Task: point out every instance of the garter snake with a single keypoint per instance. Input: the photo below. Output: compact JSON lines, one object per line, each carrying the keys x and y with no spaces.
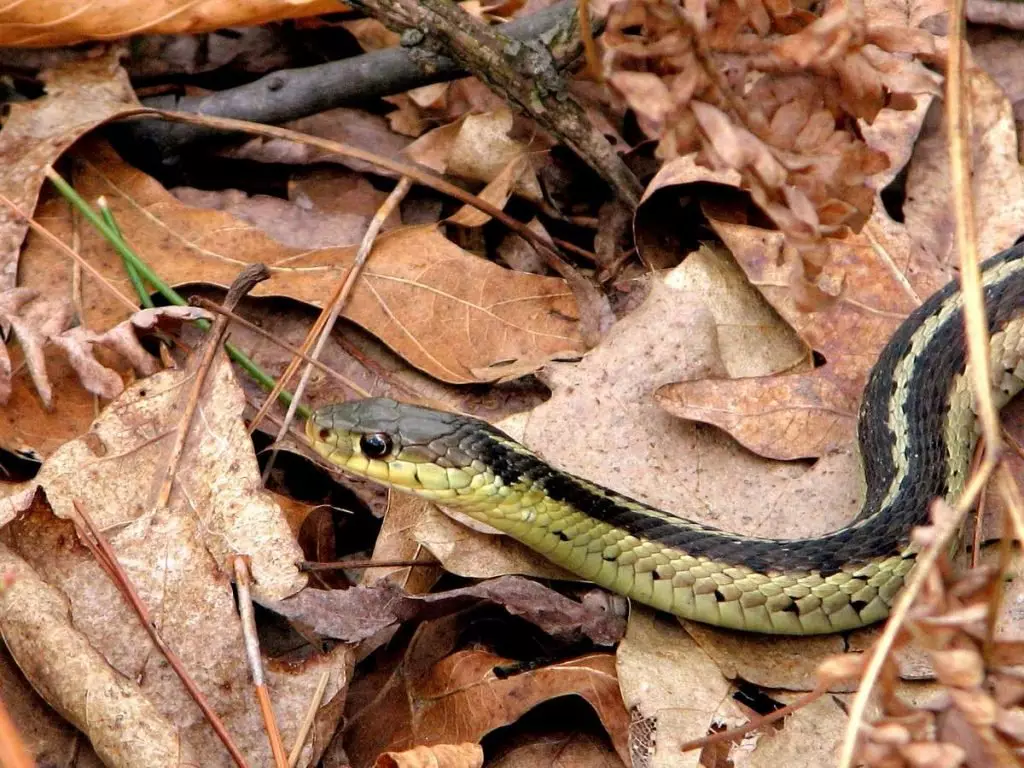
{"x":916,"y":430}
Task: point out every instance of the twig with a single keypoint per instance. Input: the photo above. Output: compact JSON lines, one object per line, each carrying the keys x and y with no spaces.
{"x":946,"y":524}
{"x":293,"y":93}
{"x":975,"y":318}
{"x":252,"y":653}
{"x":520,"y":72}
{"x":242,"y":284}
{"x":104,"y":553}
{"x":757,"y":722}
{"x":205,"y":303}
{"x":307,"y":721}
{"x":417,"y":174}
{"x":975,"y":321}
{"x":587,"y":37}
{"x":306,"y":565}
{"x":61,"y":245}
{"x":332,"y":311}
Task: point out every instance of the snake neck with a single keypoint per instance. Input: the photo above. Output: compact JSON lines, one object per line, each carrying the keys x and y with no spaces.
{"x":916,"y":432}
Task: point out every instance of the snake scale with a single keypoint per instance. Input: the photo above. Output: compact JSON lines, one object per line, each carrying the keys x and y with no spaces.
{"x":916,"y":429}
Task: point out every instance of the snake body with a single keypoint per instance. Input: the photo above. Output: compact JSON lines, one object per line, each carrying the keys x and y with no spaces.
{"x":916,"y":431}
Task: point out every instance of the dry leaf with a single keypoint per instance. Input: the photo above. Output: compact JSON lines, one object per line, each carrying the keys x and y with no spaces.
{"x":572,"y":749}
{"x":354,"y":614}
{"x":58,"y":22}
{"x":997,"y":180}
{"x":877,"y":278}
{"x":658,"y":667}
{"x":124,"y":727}
{"x":437,"y":756}
{"x":478,"y":147}
{"x":79,"y":97}
{"x":354,"y":127}
{"x":459,"y":698}
{"x":479,"y":313}
{"x":176,"y":557}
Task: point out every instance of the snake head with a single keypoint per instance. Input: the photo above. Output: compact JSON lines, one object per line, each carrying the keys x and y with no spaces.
{"x":415,"y":449}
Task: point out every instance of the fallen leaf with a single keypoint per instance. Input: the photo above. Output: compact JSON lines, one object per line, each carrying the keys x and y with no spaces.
{"x":670,"y":686}
{"x":123,"y":726}
{"x":573,"y":749}
{"x":437,"y":756}
{"x":79,"y":97}
{"x":55,"y":22}
{"x":459,"y":698}
{"x":479,"y":313}
{"x":478,"y":147}
{"x":877,"y":277}
{"x":47,"y":736}
{"x":288,"y":223}
{"x":354,"y":127}
{"x":997,"y":180}
{"x":354,"y":614}
{"x":177,"y":558}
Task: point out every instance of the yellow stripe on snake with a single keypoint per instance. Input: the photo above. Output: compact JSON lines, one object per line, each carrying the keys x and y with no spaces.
{"x":916,"y":430}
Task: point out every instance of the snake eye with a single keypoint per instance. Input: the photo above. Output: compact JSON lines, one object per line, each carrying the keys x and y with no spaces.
{"x":376,"y":445}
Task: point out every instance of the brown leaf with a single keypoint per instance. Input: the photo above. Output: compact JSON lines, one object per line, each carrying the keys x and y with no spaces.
{"x":459,"y":698}
{"x":64,"y":666}
{"x":56,"y":22}
{"x":997,"y":180}
{"x":878,"y":279}
{"x":479,"y":313}
{"x":176,"y":557}
{"x":478,"y":147}
{"x":573,"y":749}
{"x":79,"y":97}
{"x":357,"y":613}
{"x":437,"y":756}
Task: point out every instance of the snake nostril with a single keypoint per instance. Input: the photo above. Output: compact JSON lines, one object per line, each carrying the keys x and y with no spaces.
{"x":324,"y":434}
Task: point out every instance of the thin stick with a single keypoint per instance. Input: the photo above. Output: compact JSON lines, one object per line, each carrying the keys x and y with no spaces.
{"x":104,"y":553}
{"x":242,"y":284}
{"x":365,"y":247}
{"x":979,"y":515}
{"x":417,"y":174}
{"x":306,"y":565}
{"x":975,"y":318}
{"x":62,"y":246}
{"x":587,"y":38}
{"x":252,"y":653}
{"x":250,"y":326}
{"x":976,"y":324}
{"x":755,"y":723}
{"x":307,"y":721}
{"x":926,"y":560}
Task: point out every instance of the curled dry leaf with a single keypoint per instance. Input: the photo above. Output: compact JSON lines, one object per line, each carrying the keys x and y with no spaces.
{"x":43,"y":323}
{"x":177,"y":557}
{"x":877,"y":277}
{"x":357,"y":613}
{"x":437,"y":756}
{"x":54,"y":22}
{"x":775,"y":93}
{"x":975,"y":720}
{"x":478,"y":147}
{"x":446,"y":311}
{"x":62,"y":662}
{"x":79,"y":97}
{"x":460,"y":698}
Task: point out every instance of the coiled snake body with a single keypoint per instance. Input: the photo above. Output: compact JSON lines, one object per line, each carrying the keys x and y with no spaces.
{"x":916,"y":431}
